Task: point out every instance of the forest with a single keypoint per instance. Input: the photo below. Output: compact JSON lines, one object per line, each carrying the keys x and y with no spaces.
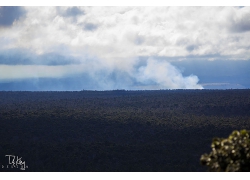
{"x":117,"y":130}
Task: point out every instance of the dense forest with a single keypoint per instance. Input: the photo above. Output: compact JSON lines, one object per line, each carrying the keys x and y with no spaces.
{"x":161,"y":130}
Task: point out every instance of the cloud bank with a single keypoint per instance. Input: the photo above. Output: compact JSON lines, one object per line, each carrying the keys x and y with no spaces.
{"x":8,"y":15}
{"x":150,"y":74}
{"x":119,"y":47}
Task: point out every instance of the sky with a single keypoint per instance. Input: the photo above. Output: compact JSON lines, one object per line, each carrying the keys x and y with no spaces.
{"x":59,"y":48}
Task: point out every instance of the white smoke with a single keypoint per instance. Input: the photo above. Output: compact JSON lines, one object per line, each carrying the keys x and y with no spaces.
{"x":131,"y":74}
{"x":165,"y":76}
{"x":144,"y":74}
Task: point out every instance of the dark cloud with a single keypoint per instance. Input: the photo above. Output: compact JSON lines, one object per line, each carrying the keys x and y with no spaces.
{"x":191,"y":48}
{"x":70,"y":12}
{"x":241,"y":24}
{"x":53,"y":59}
{"x":90,"y":27}
{"x":22,"y":57}
{"x":14,"y":57}
{"x":74,"y":11}
{"x":139,"y":40}
{"x":186,"y":58}
{"x":8,"y":14}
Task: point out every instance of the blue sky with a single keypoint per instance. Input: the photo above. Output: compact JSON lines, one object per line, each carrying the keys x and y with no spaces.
{"x":102,"y":48}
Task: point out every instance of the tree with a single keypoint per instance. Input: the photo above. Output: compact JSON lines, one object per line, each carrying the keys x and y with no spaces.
{"x":231,"y":154}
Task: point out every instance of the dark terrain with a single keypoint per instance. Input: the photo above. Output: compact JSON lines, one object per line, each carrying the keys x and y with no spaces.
{"x":165,"y":130}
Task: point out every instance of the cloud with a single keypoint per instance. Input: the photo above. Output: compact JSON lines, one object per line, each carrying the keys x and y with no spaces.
{"x":109,"y":41}
{"x":143,"y":75}
{"x":90,"y":26}
{"x":134,"y":31}
{"x":24,"y":57}
{"x":191,"y":48}
{"x":8,"y":14}
{"x":241,"y":22}
{"x":73,"y":11}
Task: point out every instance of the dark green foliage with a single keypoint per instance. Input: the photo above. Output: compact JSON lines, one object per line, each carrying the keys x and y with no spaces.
{"x":231,"y":154}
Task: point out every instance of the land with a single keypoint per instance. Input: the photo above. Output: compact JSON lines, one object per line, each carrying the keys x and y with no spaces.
{"x":124,"y":131}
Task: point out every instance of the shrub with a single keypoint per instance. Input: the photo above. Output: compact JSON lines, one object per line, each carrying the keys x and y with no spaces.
{"x":231,"y":154}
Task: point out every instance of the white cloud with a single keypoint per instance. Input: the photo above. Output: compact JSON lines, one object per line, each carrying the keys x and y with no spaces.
{"x":135,"y":31}
{"x":116,"y":36}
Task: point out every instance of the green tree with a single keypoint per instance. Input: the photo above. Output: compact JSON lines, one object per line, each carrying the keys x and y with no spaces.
{"x":231,"y":154}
